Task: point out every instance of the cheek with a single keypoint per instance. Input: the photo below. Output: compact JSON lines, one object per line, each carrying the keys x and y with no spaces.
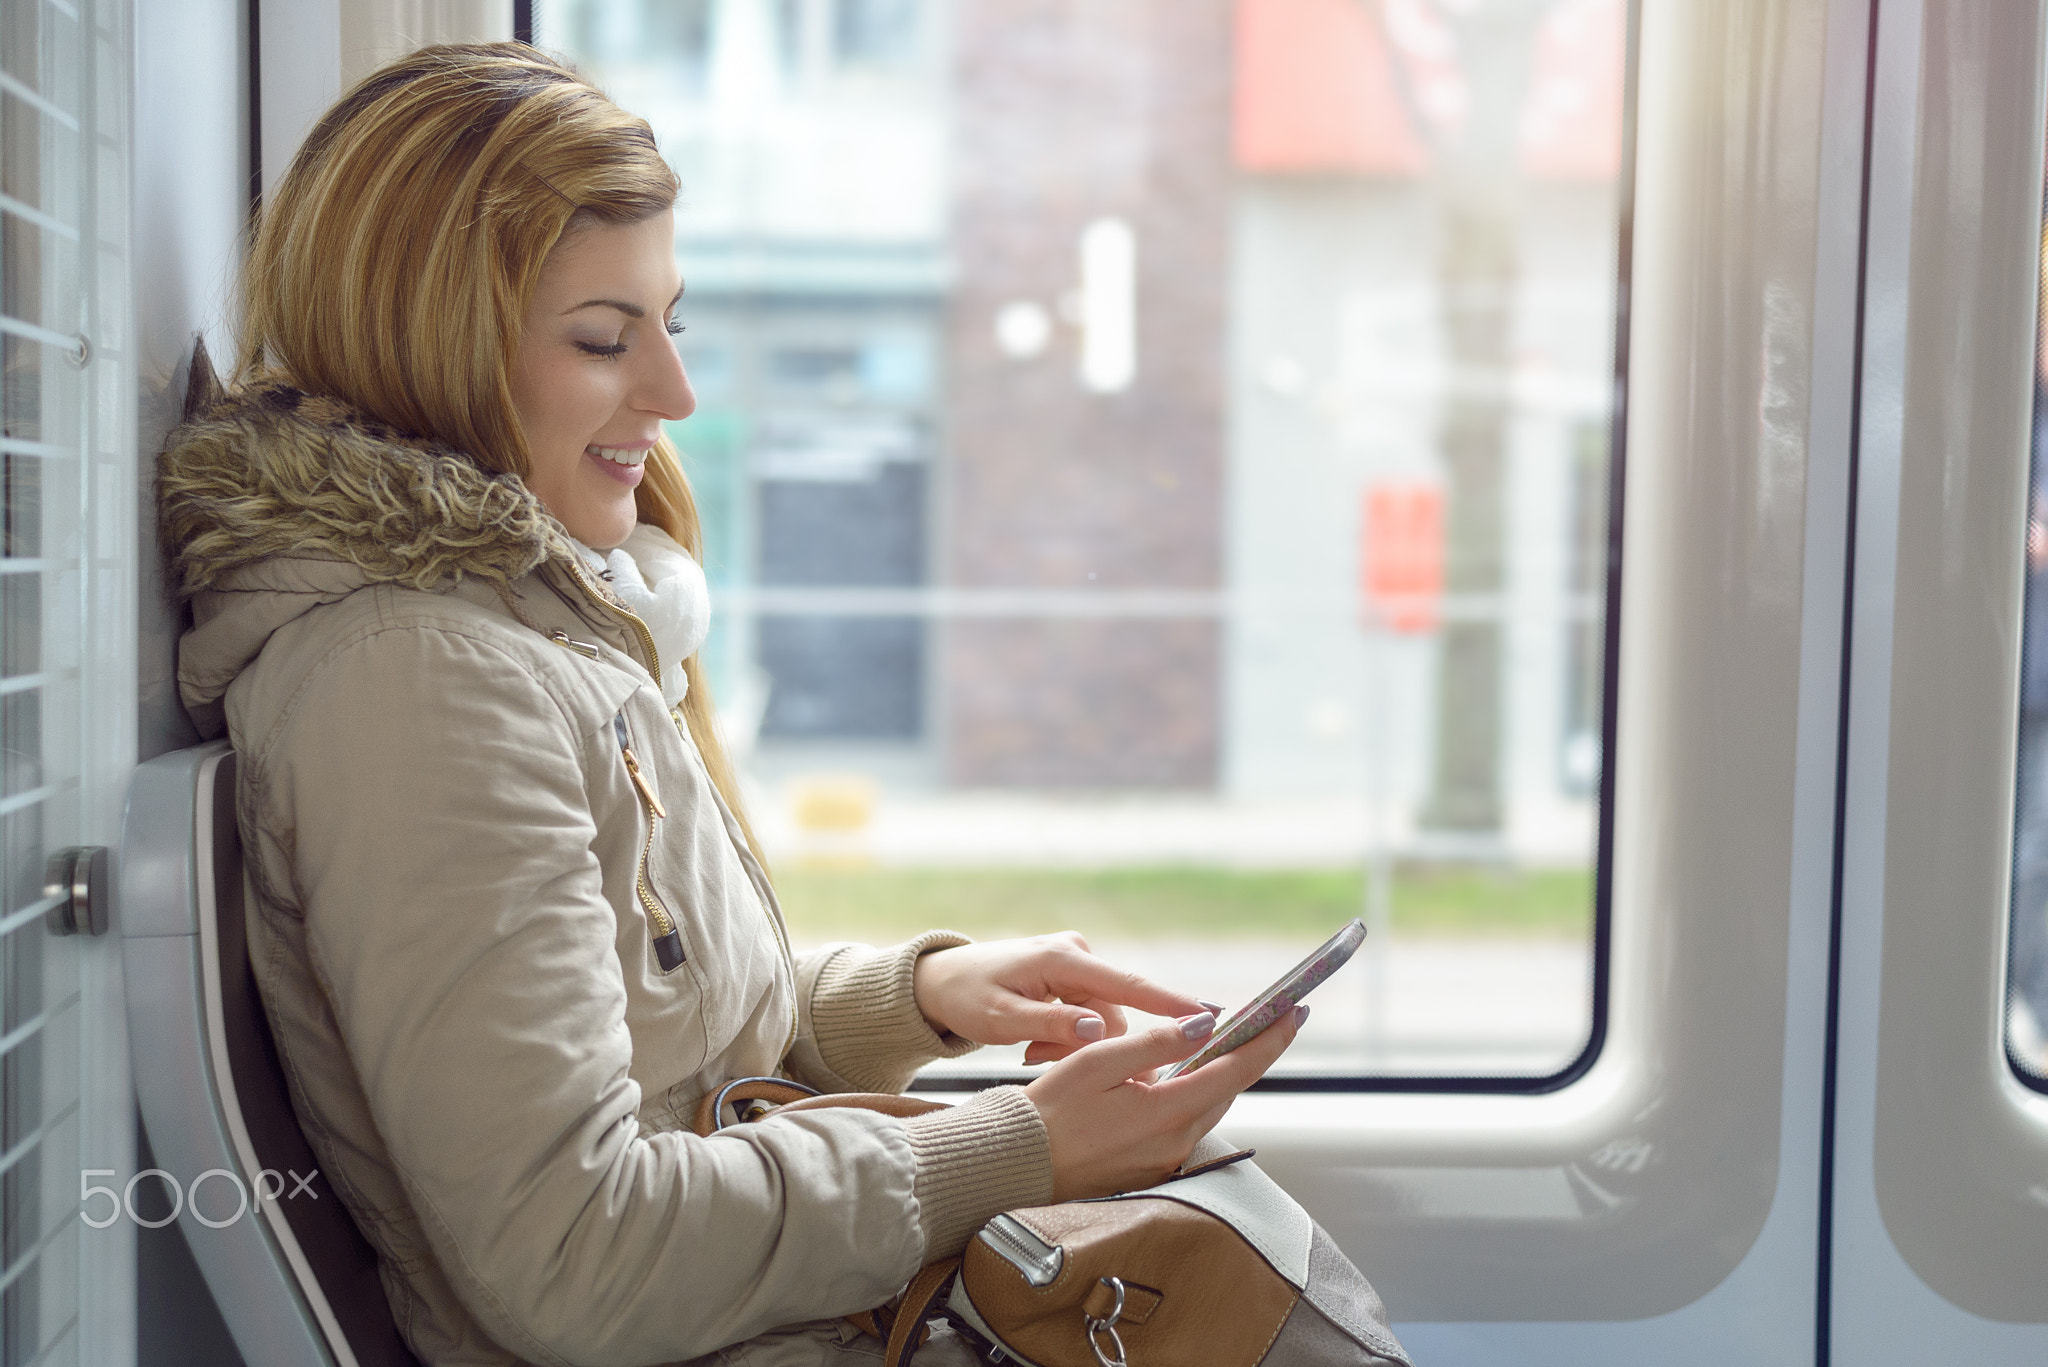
{"x":558,"y":400}
{"x":562,"y":405}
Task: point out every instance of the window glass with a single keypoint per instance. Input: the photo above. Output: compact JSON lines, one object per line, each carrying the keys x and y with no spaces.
{"x":64,"y":442}
{"x":1155,"y":460}
{"x":2027,"y":962}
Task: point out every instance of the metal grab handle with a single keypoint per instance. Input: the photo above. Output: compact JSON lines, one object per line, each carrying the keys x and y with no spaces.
{"x":1098,"y":1328}
{"x":77,"y":876}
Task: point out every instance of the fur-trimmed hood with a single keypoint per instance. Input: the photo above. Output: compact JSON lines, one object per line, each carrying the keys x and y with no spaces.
{"x":273,"y":502}
{"x":276,"y":472}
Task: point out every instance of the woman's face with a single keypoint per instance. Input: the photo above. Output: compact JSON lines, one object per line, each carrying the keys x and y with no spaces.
{"x":596,"y":372}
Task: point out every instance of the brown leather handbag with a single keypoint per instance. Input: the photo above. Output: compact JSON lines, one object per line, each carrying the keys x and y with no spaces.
{"x":1215,"y":1266}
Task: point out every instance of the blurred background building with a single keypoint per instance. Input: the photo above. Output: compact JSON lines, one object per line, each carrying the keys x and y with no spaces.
{"x":1082,"y":380}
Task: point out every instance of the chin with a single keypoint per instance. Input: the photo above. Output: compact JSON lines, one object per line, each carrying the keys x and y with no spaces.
{"x":603,"y":530}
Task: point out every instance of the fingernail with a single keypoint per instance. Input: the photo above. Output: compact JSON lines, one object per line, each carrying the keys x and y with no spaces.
{"x":1089,"y":1028}
{"x":1301,"y":1015}
{"x":1213,"y":1008}
{"x":1198,"y":1027}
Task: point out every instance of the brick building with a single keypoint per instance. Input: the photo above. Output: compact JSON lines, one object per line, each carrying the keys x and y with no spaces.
{"x":1066,"y":115}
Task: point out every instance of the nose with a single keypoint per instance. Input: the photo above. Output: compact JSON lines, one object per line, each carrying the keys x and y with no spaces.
{"x":664,"y":388}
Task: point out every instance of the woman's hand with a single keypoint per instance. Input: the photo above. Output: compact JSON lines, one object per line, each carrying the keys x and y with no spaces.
{"x":1112,"y":1128}
{"x":1048,"y":990}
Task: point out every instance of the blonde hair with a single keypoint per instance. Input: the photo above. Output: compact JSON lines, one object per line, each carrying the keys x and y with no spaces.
{"x":392,"y":268}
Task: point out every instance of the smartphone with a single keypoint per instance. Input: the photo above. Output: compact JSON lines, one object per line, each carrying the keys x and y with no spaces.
{"x":1243,"y":1026}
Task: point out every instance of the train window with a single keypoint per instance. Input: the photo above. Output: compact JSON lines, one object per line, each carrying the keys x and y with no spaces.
{"x":1156,"y":467}
{"x":2027,"y":957}
{"x":66,"y":459}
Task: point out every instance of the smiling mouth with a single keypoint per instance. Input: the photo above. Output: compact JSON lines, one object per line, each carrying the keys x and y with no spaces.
{"x":620,"y":455}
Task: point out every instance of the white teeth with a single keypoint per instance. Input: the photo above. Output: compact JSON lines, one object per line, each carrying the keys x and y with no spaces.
{"x":620,"y":455}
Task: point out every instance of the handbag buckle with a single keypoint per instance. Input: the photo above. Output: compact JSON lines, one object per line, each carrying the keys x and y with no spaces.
{"x":1098,"y":1329}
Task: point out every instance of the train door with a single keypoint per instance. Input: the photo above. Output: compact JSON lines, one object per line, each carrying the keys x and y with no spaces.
{"x":1940,"y":1145}
{"x":1816,"y":1130}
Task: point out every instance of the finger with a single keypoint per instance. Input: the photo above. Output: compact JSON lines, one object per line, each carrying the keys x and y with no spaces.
{"x":1113,"y":1062}
{"x":1219,"y":1081}
{"x":1059,"y":1022}
{"x":1042,"y":1052}
{"x":1263,"y":1050}
{"x":1015,"y":1019}
{"x":1082,"y":975}
{"x":1209,"y":1120}
{"x":1113,"y":1017}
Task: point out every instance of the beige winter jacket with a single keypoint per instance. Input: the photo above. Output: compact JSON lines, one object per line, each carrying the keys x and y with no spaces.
{"x":458,"y":897}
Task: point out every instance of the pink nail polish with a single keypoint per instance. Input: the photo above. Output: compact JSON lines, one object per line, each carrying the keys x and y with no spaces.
{"x":1213,"y":1008}
{"x":1088,"y":1028}
{"x":1301,"y":1015}
{"x":1199,"y":1027}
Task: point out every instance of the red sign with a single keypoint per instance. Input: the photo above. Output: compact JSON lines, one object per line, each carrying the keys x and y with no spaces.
{"x":1402,"y":560}
{"x":1316,"y":92}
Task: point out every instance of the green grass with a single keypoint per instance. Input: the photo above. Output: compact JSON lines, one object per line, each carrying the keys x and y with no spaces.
{"x":882,"y":904}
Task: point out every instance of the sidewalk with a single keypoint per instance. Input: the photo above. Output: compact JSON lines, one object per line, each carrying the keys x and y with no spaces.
{"x":1109,"y":830}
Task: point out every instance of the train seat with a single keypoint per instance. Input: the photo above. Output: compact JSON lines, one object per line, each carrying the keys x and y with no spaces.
{"x":295,"y":1280}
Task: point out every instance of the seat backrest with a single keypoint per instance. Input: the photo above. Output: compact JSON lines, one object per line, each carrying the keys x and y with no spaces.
{"x":295,"y":1280}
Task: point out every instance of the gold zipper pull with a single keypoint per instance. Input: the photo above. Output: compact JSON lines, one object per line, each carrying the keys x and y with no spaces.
{"x":646,"y":788}
{"x":641,"y":782}
{"x":583,"y":648}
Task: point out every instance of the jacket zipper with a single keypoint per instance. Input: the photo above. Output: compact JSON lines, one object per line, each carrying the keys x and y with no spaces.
{"x":640,"y":630}
{"x":768,"y":908}
{"x":668,"y":937}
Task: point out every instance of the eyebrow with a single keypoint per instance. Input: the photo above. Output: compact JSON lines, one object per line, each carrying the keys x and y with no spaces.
{"x":630,"y":310}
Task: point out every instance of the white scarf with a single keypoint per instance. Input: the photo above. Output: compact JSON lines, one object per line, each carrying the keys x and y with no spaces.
{"x":665,"y":588}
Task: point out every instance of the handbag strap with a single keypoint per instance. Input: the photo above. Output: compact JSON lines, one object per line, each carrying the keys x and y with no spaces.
{"x":776,"y":1091}
{"x":784,"y":1095}
{"x":909,"y":1331}
{"x":888,"y":1103}
{"x":905,"y":1330}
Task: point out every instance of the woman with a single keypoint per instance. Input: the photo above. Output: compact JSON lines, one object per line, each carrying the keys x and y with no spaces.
{"x":510,"y":924}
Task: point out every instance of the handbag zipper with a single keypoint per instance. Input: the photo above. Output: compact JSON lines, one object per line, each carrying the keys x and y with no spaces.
{"x":1020,"y":1247}
{"x":668,"y":937}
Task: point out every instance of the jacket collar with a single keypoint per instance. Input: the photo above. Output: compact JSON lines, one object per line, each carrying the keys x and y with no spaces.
{"x":272,"y":502}
{"x":276,"y":472}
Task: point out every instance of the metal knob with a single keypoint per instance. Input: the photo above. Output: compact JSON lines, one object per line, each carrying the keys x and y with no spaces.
{"x":78,"y":876}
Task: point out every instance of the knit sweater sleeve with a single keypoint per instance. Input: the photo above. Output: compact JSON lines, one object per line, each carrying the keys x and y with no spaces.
{"x":858,"y":1026}
{"x":859,"y":1030}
